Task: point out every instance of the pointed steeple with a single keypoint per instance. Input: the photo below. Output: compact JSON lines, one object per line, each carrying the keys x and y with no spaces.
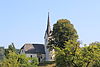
{"x":48,"y":25}
{"x":48,"y":21}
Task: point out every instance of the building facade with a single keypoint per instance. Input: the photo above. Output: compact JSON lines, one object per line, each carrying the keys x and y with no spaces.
{"x":2,"y":51}
{"x":40,"y":50}
{"x":34,"y":50}
{"x":49,"y":54}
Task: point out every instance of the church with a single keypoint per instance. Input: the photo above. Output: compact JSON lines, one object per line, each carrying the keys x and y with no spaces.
{"x":40,"y":50}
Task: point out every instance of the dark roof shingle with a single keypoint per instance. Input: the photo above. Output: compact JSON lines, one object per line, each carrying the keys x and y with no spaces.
{"x":38,"y":48}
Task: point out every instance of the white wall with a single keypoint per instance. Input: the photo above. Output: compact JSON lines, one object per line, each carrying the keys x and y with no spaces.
{"x":31,"y":55}
{"x":49,"y":55}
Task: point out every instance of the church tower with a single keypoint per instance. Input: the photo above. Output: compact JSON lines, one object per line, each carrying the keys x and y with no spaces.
{"x":46,"y":40}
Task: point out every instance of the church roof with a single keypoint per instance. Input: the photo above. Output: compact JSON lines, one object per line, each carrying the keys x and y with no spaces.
{"x":48,"y":30}
{"x":34,"y":48}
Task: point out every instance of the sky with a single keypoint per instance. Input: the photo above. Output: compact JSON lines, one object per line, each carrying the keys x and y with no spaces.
{"x":25,"y":21}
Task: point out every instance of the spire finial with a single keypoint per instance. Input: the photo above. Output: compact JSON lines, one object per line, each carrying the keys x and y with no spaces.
{"x":48,"y":18}
{"x":48,"y":24}
{"x":48,"y":13}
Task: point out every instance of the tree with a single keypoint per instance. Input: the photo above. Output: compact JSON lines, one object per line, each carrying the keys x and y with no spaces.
{"x":27,"y":61}
{"x":70,"y":56}
{"x":11,"y":48}
{"x":91,"y":55}
{"x":64,"y":40}
{"x":68,"y":51}
{"x":17,"y":60}
{"x":13,"y":59}
{"x":63,"y":31}
{"x":60,"y":58}
{"x":74,"y":56}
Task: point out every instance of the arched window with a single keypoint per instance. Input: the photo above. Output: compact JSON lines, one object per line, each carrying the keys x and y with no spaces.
{"x":31,"y":56}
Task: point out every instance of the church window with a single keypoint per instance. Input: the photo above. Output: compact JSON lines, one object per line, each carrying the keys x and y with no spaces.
{"x":22,"y":51}
{"x":31,"y":56}
{"x":41,"y":56}
{"x":51,"y":57}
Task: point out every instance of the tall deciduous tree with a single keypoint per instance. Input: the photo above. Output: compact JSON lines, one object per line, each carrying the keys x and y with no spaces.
{"x":74,"y":56}
{"x":63,"y":31}
{"x":64,"y":38}
{"x":91,"y":55}
{"x":70,"y":56}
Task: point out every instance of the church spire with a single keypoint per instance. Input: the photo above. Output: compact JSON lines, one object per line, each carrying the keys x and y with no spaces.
{"x":48,"y":20}
{"x":48,"y":25}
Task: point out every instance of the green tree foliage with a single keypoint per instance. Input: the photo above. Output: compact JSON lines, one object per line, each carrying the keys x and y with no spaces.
{"x":68,"y":57}
{"x":91,"y":55}
{"x":13,"y":59}
{"x":60,"y":58}
{"x":11,"y":48}
{"x":74,"y":56}
{"x":27,"y":62}
{"x":34,"y":62}
{"x":64,"y":40}
{"x":63,"y":31}
{"x":17,"y":60}
{"x":68,"y":51}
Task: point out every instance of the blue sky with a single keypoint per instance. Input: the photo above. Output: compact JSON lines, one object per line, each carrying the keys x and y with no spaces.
{"x":24,"y":21}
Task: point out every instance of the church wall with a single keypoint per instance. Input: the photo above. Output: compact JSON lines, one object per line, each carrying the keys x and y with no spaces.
{"x":31,"y":55}
{"x":40,"y":57}
{"x":49,"y":54}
